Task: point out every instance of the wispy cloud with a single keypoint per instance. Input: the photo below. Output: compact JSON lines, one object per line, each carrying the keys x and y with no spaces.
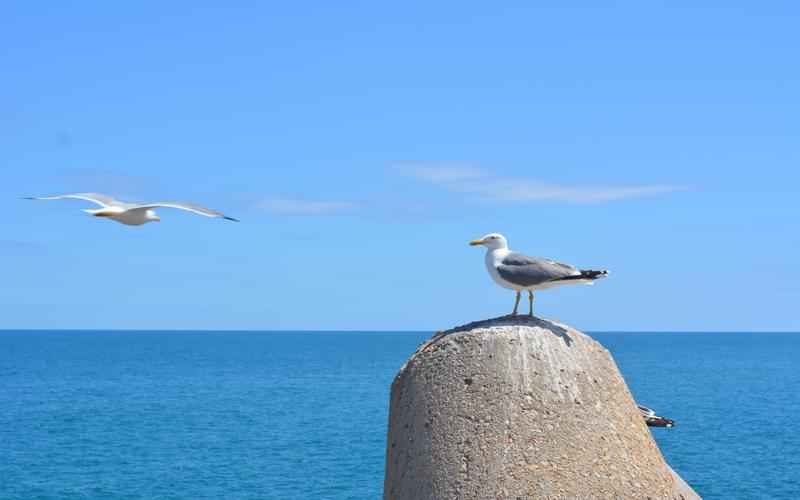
{"x":487,"y":187}
{"x":287,"y":206}
{"x":441,"y":173}
{"x":523,"y":190}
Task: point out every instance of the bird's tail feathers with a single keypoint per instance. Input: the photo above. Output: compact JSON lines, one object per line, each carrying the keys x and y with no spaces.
{"x":593,"y":275}
{"x":586,"y":276}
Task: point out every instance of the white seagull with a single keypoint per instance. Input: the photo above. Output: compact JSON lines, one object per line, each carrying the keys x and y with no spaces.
{"x":519,"y":272}
{"x":131,"y":214}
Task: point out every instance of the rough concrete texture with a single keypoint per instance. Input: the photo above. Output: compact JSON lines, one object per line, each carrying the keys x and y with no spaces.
{"x":519,"y":408}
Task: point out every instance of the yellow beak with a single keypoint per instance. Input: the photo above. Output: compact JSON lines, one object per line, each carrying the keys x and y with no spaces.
{"x":476,"y":242}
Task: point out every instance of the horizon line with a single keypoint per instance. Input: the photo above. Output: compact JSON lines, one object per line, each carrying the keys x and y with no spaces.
{"x":433,"y":331}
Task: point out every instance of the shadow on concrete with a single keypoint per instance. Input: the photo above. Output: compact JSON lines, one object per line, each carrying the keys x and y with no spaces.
{"x":508,"y":320}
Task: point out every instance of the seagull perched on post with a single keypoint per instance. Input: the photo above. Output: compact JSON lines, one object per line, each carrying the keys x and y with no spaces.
{"x":520,"y":272}
{"x":132,"y":214}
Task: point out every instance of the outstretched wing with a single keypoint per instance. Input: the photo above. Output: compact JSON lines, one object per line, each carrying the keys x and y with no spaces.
{"x":530,"y":271}
{"x":189,"y":207}
{"x":100,"y":199}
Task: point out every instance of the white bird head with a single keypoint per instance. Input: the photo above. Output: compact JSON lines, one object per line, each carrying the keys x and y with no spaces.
{"x":492,"y":241}
{"x":151,"y":215}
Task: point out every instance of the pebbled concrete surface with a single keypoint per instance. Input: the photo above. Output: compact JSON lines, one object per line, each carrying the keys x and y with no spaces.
{"x":519,"y":408}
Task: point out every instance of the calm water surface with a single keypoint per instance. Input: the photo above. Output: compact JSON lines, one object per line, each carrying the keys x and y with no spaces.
{"x":204,"y":415}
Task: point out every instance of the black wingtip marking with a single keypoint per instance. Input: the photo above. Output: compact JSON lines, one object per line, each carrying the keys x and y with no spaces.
{"x":593,"y":275}
{"x":586,"y":275}
{"x":231,"y":219}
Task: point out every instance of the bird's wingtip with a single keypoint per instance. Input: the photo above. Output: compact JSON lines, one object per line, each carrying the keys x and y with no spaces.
{"x":231,"y":219}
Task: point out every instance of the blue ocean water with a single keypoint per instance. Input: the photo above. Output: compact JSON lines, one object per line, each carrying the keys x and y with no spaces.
{"x":302,"y":415}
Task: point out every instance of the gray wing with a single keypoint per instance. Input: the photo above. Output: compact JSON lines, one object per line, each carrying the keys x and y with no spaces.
{"x":100,"y":199}
{"x":189,"y":207}
{"x":530,"y":271}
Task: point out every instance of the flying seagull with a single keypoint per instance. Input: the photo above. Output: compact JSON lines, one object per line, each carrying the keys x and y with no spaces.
{"x":132,"y":214}
{"x":520,"y":272}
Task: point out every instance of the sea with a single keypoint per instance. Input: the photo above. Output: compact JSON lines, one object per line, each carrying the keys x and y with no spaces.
{"x":302,"y":415}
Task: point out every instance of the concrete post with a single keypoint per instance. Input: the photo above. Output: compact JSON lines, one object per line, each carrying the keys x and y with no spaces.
{"x":519,"y":408}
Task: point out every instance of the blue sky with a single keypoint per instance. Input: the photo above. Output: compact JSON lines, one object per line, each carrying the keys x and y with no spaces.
{"x":364,"y":144}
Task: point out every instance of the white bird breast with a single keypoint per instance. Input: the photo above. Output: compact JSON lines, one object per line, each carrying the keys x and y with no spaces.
{"x":493,"y":259}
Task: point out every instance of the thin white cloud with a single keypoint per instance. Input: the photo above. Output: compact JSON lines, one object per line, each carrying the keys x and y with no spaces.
{"x":288,"y":206}
{"x":441,"y":173}
{"x":523,"y":190}
{"x":487,"y":187}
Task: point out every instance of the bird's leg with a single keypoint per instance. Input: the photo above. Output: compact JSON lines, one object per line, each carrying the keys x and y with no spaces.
{"x":530,"y":303}
{"x":516,"y":304}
